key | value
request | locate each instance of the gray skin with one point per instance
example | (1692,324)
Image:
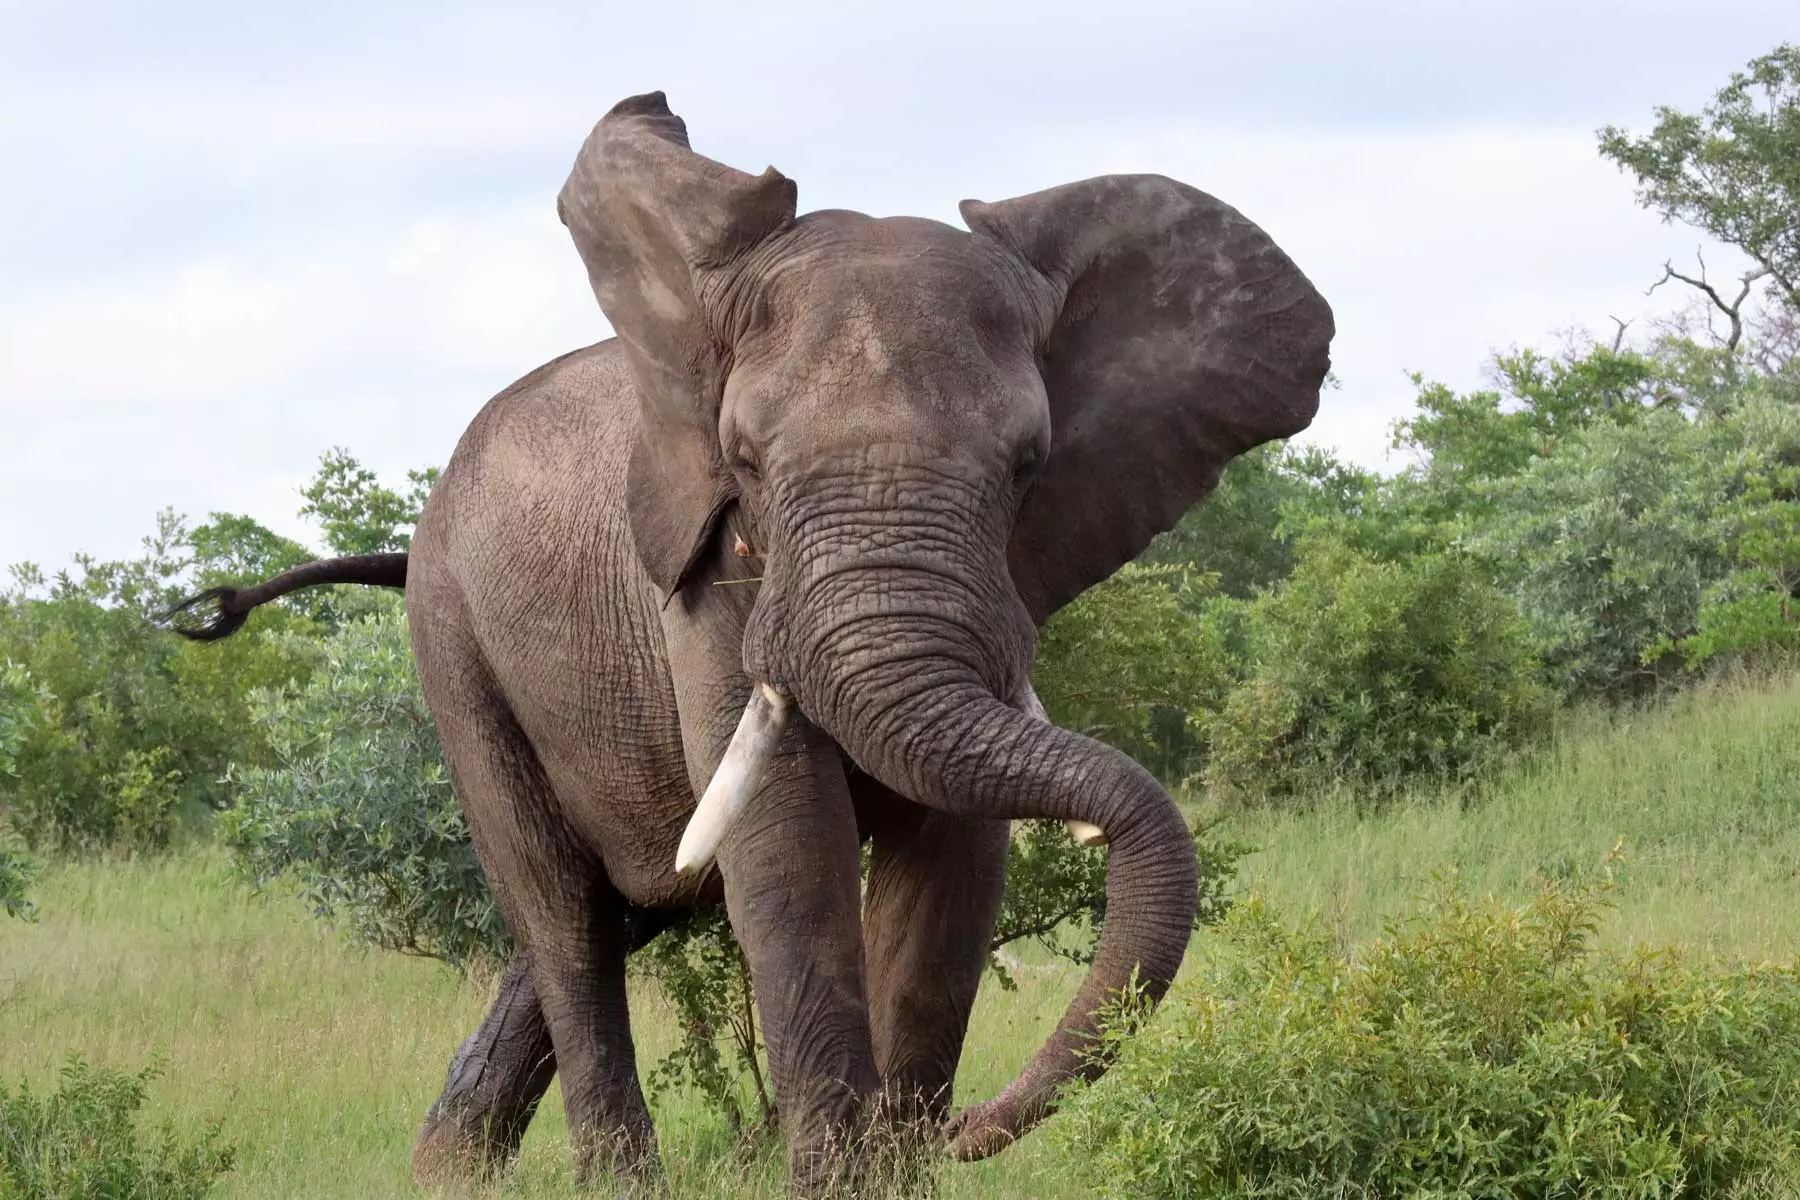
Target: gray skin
(927,440)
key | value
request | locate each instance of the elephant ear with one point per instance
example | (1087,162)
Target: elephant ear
(658,226)
(1184,337)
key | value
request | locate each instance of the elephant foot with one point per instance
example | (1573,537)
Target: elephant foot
(623,1160)
(444,1156)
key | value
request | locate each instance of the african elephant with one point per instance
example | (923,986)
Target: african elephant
(812,503)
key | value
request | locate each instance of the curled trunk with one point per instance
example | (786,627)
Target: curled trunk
(931,728)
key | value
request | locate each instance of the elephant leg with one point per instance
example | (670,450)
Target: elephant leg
(791,875)
(492,1089)
(565,915)
(502,1071)
(935,883)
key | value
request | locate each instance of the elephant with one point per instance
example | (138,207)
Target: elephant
(701,608)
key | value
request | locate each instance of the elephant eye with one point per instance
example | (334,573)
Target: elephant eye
(743,462)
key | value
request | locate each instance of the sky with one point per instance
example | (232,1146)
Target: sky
(234,235)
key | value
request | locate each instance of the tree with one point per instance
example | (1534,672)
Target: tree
(1732,170)
(358,513)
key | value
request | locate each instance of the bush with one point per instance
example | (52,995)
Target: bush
(1375,671)
(1471,1051)
(130,726)
(1142,645)
(357,807)
(1056,891)
(83,1140)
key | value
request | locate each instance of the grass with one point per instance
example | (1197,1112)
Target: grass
(320,1058)
(1703,792)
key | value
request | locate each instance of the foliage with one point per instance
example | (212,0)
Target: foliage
(1752,609)
(357,512)
(83,1140)
(133,726)
(1056,891)
(1472,1050)
(356,805)
(1129,649)
(1375,671)
(1237,535)
(1729,169)
(24,707)
(703,973)
(1623,543)
(18,871)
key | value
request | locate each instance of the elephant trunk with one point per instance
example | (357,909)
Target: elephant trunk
(902,663)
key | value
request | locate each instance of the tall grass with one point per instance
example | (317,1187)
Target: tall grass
(320,1058)
(1703,791)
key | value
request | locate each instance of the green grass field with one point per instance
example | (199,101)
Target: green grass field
(320,1058)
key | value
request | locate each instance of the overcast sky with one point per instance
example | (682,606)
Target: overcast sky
(232,235)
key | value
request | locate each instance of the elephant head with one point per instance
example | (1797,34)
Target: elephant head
(934,439)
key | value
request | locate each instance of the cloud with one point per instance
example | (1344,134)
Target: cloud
(215,383)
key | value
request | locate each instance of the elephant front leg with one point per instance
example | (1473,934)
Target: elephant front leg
(790,867)
(492,1089)
(935,884)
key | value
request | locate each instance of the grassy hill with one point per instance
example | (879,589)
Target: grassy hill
(320,1058)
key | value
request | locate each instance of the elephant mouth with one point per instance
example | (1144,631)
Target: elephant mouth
(746,759)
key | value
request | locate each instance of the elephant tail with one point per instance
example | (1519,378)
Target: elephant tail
(220,612)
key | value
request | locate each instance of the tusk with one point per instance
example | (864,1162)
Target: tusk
(739,773)
(1081,831)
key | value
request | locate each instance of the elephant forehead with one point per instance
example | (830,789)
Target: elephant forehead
(869,365)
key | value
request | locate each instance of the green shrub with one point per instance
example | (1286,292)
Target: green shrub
(131,727)
(83,1141)
(706,978)
(357,806)
(1056,891)
(1472,1051)
(1375,671)
(18,870)
(1141,644)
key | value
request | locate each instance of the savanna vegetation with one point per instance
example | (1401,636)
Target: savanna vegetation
(1494,763)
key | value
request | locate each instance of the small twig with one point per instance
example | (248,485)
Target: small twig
(730,582)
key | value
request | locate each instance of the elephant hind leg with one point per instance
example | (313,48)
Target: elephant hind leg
(500,1074)
(492,1089)
(563,913)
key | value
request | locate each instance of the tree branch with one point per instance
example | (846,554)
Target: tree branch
(1733,311)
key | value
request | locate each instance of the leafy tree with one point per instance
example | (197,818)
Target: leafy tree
(235,549)
(140,725)
(1130,648)
(357,512)
(1730,169)
(1752,610)
(24,708)
(1239,533)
